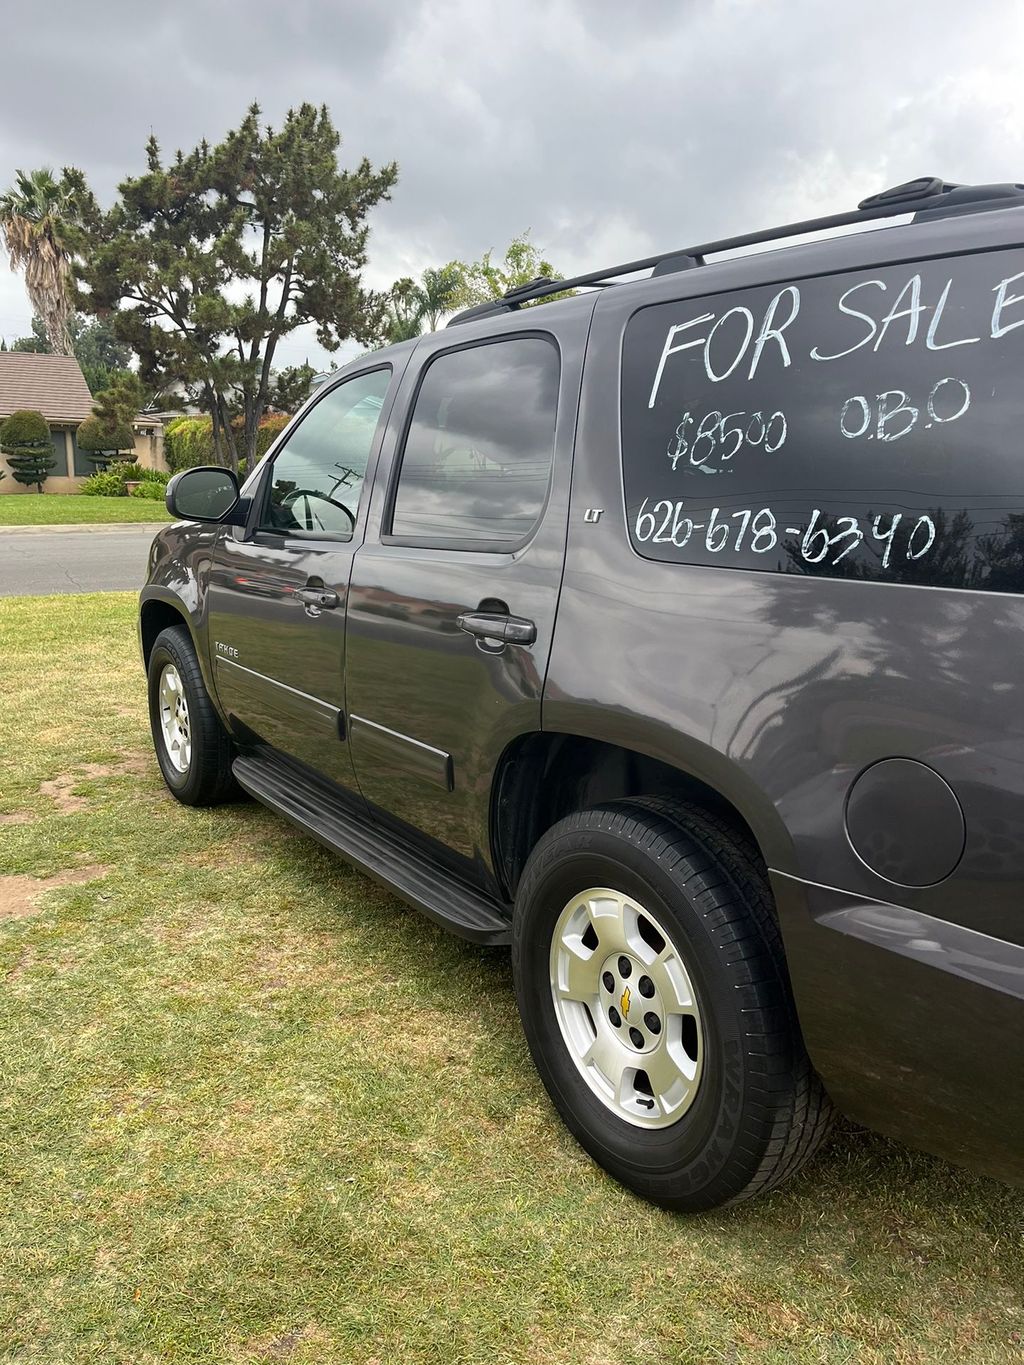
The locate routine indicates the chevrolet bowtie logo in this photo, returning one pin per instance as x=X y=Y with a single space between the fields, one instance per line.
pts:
x=624 y=1003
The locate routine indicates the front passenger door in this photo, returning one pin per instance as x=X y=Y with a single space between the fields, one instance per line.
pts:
x=278 y=591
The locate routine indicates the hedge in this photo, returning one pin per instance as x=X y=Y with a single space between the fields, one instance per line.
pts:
x=188 y=441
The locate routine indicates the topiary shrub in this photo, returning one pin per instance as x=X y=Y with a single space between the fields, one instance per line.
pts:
x=102 y=442
x=25 y=440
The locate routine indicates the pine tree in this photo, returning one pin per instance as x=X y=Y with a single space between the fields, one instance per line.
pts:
x=209 y=261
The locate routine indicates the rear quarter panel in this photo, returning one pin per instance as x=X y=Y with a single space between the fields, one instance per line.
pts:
x=778 y=690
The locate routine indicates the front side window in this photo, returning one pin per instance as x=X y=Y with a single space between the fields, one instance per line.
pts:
x=318 y=476
x=479 y=446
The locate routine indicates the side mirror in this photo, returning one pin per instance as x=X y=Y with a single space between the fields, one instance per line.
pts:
x=205 y=494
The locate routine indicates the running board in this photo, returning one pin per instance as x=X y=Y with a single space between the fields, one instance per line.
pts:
x=319 y=812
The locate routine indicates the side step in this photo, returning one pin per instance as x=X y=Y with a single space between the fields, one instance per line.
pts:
x=318 y=811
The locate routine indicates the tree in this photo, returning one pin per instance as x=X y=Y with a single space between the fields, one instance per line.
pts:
x=38 y=343
x=484 y=280
x=403 y=316
x=37 y=217
x=93 y=345
x=211 y=260
x=25 y=440
x=289 y=388
x=98 y=351
x=409 y=304
x=441 y=290
x=108 y=433
x=121 y=400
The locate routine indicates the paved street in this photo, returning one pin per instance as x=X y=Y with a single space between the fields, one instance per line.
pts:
x=100 y=559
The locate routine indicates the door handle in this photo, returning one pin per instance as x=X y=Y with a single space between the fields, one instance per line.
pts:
x=323 y=598
x=506 y=630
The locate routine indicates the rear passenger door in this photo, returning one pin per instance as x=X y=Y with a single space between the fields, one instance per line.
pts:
x=453 y=594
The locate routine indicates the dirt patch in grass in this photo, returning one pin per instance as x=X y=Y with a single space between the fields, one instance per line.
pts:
x=280 y=1346
x=227 y=855
x=17 y=817
x=61 y=789
x=19 y=895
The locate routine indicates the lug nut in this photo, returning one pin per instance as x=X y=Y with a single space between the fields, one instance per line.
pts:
x=653 y=1022
x=636 y=1037
x=625 y=968
x=646 y=987
x=613 y=1015
x=608 y=981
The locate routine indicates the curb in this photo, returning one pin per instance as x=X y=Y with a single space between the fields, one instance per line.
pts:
x=101 y=527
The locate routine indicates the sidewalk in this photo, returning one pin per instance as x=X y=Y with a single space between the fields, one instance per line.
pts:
x=100 y=527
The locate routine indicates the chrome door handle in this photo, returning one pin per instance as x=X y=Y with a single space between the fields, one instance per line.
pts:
x=505 y=630
x=324 y=598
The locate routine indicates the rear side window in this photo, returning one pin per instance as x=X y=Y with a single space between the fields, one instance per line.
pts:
x=478 y=449
x=862 y=425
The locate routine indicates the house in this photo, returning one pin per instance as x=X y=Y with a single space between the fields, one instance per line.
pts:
x=55 y=386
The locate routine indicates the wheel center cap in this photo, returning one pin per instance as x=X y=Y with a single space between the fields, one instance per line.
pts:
x=631 y=1003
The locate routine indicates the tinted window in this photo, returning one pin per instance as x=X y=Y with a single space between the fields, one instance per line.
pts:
x=478 y=450
x=859 y=426
x=318 y=476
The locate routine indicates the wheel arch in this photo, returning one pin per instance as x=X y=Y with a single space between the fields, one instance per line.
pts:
x=546 y=775
x=157 y=614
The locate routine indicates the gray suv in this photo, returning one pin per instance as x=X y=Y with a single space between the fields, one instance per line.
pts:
x=670 y=633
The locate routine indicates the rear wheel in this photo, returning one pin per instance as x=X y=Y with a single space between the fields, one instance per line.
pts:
x=654 y=995
x=192 y=747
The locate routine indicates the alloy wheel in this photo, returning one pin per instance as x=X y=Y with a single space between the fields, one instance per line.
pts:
x=626 y=1008
x=174 y=719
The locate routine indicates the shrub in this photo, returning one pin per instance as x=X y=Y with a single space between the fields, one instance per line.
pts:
x=149 y=488
x=188 y=441
x=25 y=440
x=111 y=483
x=105 y=484
x=129 y=469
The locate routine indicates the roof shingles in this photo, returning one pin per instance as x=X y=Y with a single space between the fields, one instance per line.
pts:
x=51 y=384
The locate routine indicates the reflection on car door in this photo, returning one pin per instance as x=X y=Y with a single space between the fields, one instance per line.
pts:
x=278 y=590
x=453 y=592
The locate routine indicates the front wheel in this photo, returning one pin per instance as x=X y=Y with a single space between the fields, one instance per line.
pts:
x=653 y=991
x=192 y=747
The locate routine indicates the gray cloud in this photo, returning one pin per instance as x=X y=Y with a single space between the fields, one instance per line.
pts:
x=608 y=130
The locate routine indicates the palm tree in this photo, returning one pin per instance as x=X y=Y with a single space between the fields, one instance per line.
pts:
x=440 y=291
x=404 y=316
x=35 y=214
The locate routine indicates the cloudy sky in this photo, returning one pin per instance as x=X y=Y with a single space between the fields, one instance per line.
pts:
x=609 y=130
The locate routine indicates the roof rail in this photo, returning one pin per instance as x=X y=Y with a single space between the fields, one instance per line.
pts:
x=927 y=197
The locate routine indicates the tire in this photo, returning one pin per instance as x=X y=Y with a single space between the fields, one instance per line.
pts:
x=735 y=1107
x=196 y=766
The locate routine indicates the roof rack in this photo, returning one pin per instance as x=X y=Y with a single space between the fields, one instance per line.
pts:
x=927 y=198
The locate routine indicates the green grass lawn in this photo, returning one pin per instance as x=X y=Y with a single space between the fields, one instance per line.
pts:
x=253 y=1109
x=62 y=509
